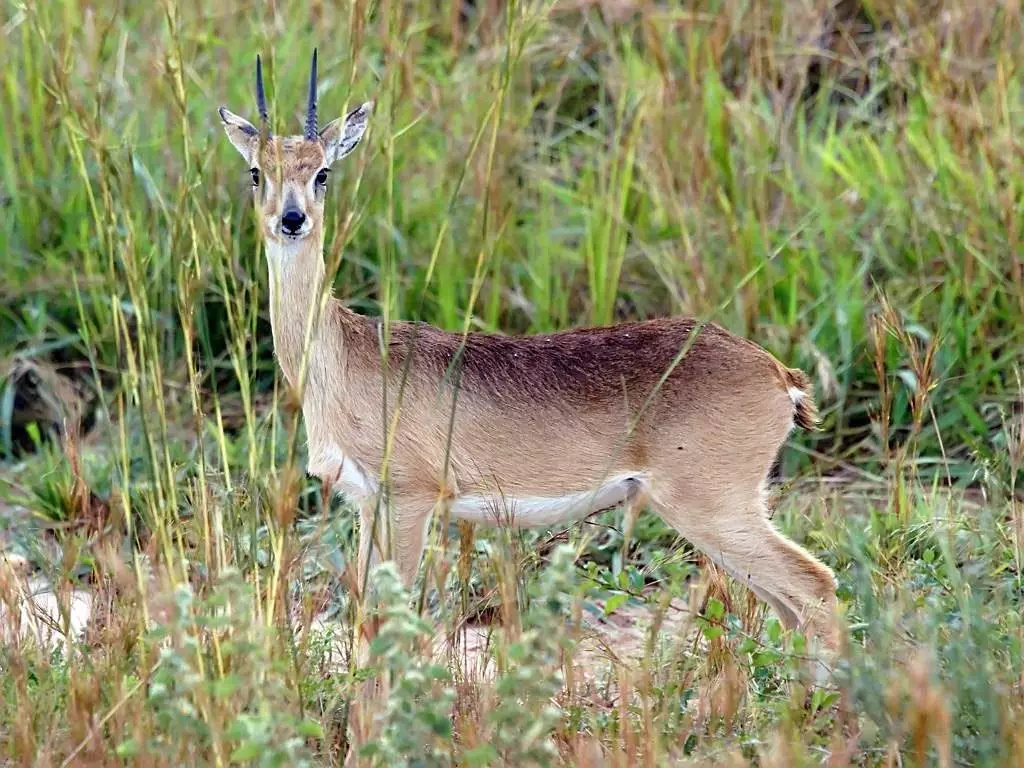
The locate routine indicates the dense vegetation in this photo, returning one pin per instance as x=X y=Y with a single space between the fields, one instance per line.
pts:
x=841 y=182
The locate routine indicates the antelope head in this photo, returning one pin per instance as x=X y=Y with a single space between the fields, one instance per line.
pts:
x=290 y=173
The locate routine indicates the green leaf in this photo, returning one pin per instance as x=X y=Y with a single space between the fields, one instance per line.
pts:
x=715 y=609
x=485 y=754
x=712 y=632
x=439 y=723
x=246 y=752
x=749 y=645
x=822 y=699
x=716 y=118
x=127 y=748
x=310 y=729
x=225 y=687
x=799 y=643
x=32 y=428
x=613 y=603
x=765 y=659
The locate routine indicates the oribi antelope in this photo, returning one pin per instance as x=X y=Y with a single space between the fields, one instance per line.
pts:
x=672 y=414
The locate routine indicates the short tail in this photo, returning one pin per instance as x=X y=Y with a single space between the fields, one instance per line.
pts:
x=801 y=392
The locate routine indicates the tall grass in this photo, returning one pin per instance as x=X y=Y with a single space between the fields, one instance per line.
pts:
x=845 y=186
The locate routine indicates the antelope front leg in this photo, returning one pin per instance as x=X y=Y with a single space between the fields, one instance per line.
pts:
x=411 y=523
x=395 y=532
x=373 y=518
x=374 y=548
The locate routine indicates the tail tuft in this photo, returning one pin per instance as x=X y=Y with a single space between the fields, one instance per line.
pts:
x=800 y=390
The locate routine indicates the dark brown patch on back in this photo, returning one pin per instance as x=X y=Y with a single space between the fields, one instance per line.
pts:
x=591 y=365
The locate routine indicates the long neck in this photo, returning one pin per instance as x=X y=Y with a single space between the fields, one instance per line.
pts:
x=296 y=286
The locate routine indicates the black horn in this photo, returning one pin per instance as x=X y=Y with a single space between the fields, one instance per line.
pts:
x=311 y=106
x=261 y=96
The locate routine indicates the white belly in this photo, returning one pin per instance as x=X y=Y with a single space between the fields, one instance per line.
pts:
x=346 y=476
x=342 y=472
x=541 y=511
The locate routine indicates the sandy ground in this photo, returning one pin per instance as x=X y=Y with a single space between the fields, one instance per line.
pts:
x=49 y=618
x=41 y=614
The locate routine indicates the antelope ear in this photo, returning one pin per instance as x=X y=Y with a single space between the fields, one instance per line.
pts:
x=341 y=136
x=240 y=131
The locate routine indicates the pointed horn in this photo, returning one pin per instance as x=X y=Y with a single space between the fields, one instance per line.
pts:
x=311 y=108
x=261 y=96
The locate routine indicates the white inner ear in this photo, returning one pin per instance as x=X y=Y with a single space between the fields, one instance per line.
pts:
x=348 y=137
x=240 y=132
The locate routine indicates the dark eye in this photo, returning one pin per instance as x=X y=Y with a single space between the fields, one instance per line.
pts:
x=255 y=176
x=321 y=177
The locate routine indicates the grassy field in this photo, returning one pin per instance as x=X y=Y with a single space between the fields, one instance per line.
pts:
x=841 y=182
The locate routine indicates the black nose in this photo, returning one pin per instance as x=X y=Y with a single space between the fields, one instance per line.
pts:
x=292 y=221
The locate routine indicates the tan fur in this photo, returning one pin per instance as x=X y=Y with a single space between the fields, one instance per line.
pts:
x=537 y=419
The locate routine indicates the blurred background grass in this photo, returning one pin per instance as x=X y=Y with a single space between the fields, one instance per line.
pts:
x=636 y=159
x=842 y=182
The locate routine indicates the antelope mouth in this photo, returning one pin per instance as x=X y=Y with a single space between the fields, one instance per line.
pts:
x=291 y=237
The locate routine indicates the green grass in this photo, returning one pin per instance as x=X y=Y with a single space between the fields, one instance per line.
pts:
x=846 y=190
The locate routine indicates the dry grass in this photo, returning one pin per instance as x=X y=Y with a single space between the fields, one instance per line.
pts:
x=842 y=182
